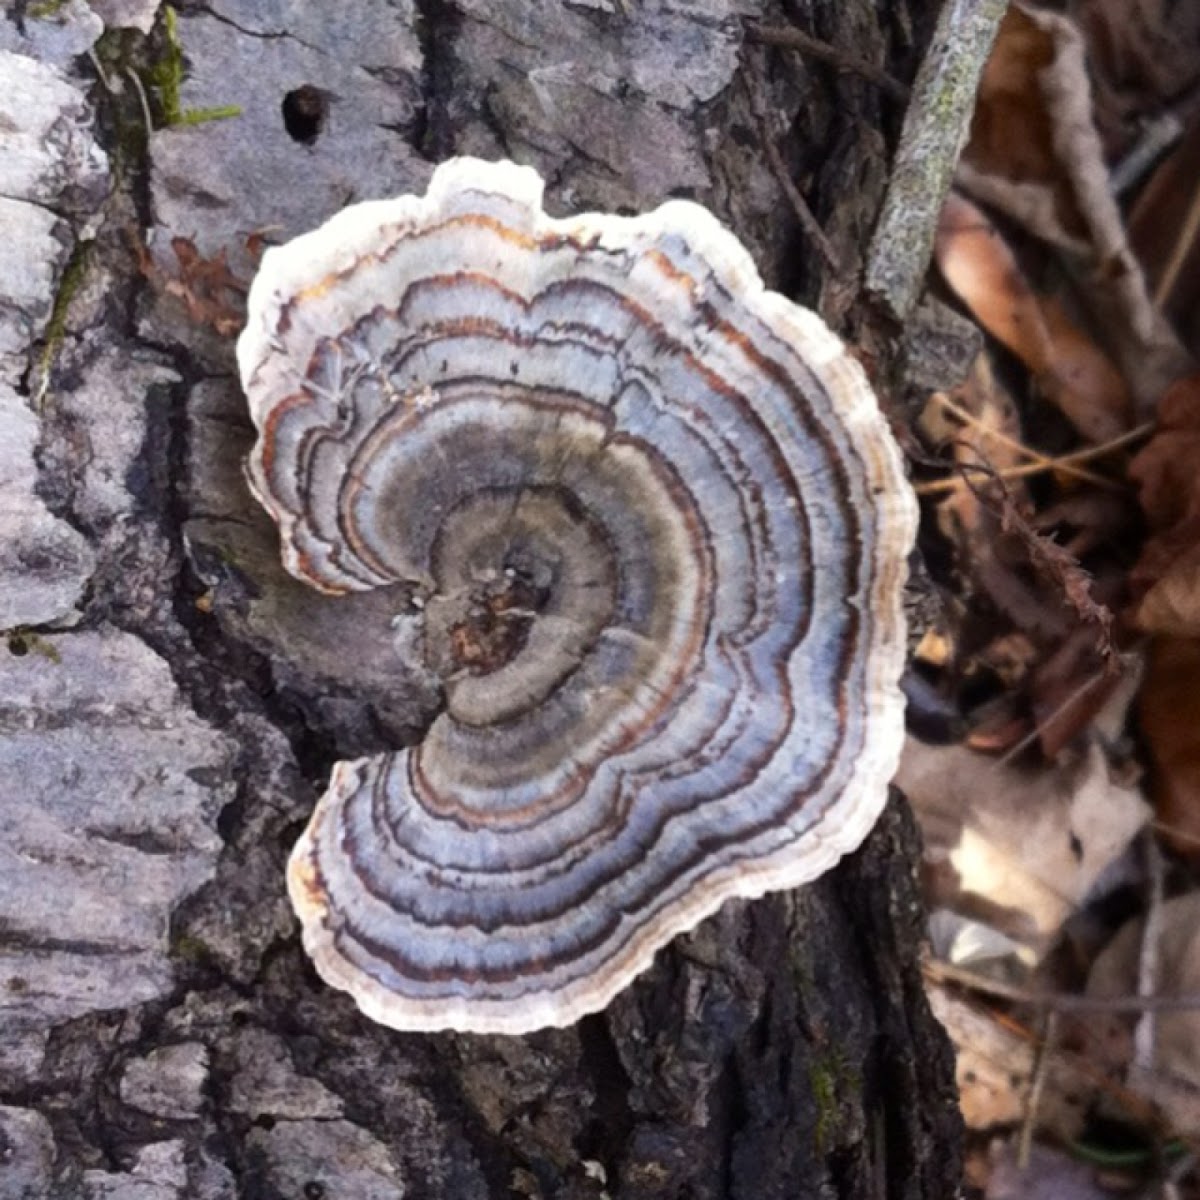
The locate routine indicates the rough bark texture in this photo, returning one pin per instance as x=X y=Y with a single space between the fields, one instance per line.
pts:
x=170 y=701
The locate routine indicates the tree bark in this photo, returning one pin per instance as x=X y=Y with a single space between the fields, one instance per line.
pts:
x=171 y=702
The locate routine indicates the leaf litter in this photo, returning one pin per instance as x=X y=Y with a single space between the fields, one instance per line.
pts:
x=1060 y=482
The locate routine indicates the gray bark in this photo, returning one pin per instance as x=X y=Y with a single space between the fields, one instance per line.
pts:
x=171 y=701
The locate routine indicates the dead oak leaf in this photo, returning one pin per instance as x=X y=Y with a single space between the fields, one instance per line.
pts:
x=995 y=1066
x=1053 y=180
x=1070 y=369
x=1010 y=99
x=1172 y=1079
x=1169 y=719
x=1142 y=55
x=1165 y=234
x=211 y=293
x=1167 y=575
x=1025 y=844
x=207 y=287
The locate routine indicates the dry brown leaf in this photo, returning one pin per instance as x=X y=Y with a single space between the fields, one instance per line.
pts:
x=1171 y=606
x=1054 y=181
x=1080 y=368
x=1164 y=232
x=1010 y=100
x=1071 y=370
x=210 y=292
x=213 y=294
x=1011 y=656
x=1169 y=718
x=1069 y=688
x=1089 y=519
x=1173 y=1079
x=986 y=433
x=1026 y=845
x=1142 y=55
x=1052 y=178
x=1036 y=583
x=994 y=1067
x=970 y=525
x=998 y=733
x=1069 y=582
x=1167 y=576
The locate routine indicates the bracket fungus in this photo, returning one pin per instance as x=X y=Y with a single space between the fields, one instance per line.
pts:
x=654 y=529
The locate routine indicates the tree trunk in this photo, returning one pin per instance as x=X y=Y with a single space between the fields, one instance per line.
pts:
x=171 y=702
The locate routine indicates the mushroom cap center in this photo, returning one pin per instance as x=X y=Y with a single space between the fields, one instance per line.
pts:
x=524 y=583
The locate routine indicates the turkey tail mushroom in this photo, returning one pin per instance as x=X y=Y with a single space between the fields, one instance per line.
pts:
x=657 y=530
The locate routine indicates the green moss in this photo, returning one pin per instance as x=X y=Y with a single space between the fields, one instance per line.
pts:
x=822 y=1081
x=45 y=9
x=116 y=55
x=22 y=642
x=803 y=980
x=56 y=328
x=829 y=1079
x=72 y=279
x=190 y=949
x=228 y=556
x=143 y=81
x=114 y=50
x=165 y=77
x=197 y=116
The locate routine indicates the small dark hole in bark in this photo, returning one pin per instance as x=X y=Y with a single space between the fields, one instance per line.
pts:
x=304 y=111
x=17 y=645
x=313 y=1190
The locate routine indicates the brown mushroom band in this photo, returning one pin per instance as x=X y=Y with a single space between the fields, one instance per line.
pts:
x=654 y=528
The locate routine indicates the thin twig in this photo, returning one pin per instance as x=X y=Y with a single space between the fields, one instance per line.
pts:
x=1149 y=954
x=100 y=75
x=1068 y=464
x=1175 y=832
x=1178 y=1171
x=936 y=487
x=1068 y=701
x=1180 y=251
x=141 y=91
x=1130 y=1101
x=811 y=47
x=1078 y=456
x=1045 y=1055
x=1060 y=1002
x=1056 y=565
x=997 y=435
x=1156 y=136
x=936 y=124
x=809 y=223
